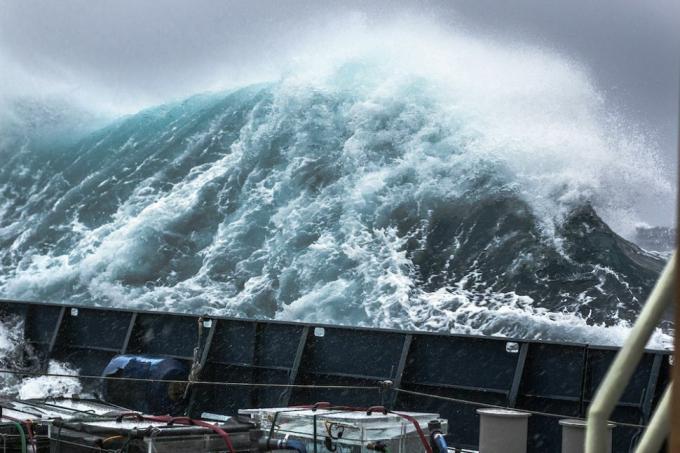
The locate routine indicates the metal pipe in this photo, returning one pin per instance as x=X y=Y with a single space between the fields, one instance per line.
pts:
x=620 y=372
x=659 y=426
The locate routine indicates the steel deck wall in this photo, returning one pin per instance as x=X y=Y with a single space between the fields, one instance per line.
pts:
x=539 y=376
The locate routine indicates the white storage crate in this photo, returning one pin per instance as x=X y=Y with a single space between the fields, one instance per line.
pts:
x=346 y=431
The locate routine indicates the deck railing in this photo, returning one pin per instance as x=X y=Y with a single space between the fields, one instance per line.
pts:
x=623 y=367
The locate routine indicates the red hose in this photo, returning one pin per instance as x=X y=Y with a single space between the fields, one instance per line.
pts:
x=182 y=421
x=419 y=430
x=31 y=437
x=189 y=421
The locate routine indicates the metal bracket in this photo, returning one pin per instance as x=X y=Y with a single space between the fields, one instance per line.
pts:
x=519 y=371
x=405 y=349
x=292 y=377
x=128 y=334
x=53 y=339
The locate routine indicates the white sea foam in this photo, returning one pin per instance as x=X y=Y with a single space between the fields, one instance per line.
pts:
x=363 y=127
x=14 y=352
x=49 y=386
x=514 y=316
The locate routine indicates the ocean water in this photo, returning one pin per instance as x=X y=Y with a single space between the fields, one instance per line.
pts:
x=468 y=190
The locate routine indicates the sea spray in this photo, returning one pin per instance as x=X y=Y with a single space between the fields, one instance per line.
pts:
x=16 y=354
x=460 y=190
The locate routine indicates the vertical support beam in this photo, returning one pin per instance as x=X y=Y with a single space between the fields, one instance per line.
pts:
x=519 y=371
x=208 y=343
x=53 y=339
x=650 y=390
x=128 y=334
x=406 y=347
x=292 y=376
x=202 y=361
x=255 y=372
x=585 y=379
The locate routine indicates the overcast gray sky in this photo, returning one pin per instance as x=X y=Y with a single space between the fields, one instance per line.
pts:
x=134 y=53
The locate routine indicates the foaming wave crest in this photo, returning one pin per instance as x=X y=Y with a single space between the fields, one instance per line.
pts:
x=414 y=180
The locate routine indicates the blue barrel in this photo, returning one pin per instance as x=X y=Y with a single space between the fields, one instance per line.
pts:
x=147 y=396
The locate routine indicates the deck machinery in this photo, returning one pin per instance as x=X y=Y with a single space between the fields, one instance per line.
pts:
x=237 y=364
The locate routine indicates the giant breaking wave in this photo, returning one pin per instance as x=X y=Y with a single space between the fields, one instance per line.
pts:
x=463 y=191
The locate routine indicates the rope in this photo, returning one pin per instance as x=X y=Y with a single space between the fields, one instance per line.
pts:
x=196 y=367
x=176 y=381
x=109 y=439
x=311 y=386
x=495 y=406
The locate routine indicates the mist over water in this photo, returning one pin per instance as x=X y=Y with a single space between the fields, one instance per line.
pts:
x=400 y=178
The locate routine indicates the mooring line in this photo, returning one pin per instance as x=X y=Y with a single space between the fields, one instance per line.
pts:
x=310 y=386
x=178 y=381
x=497 y=406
